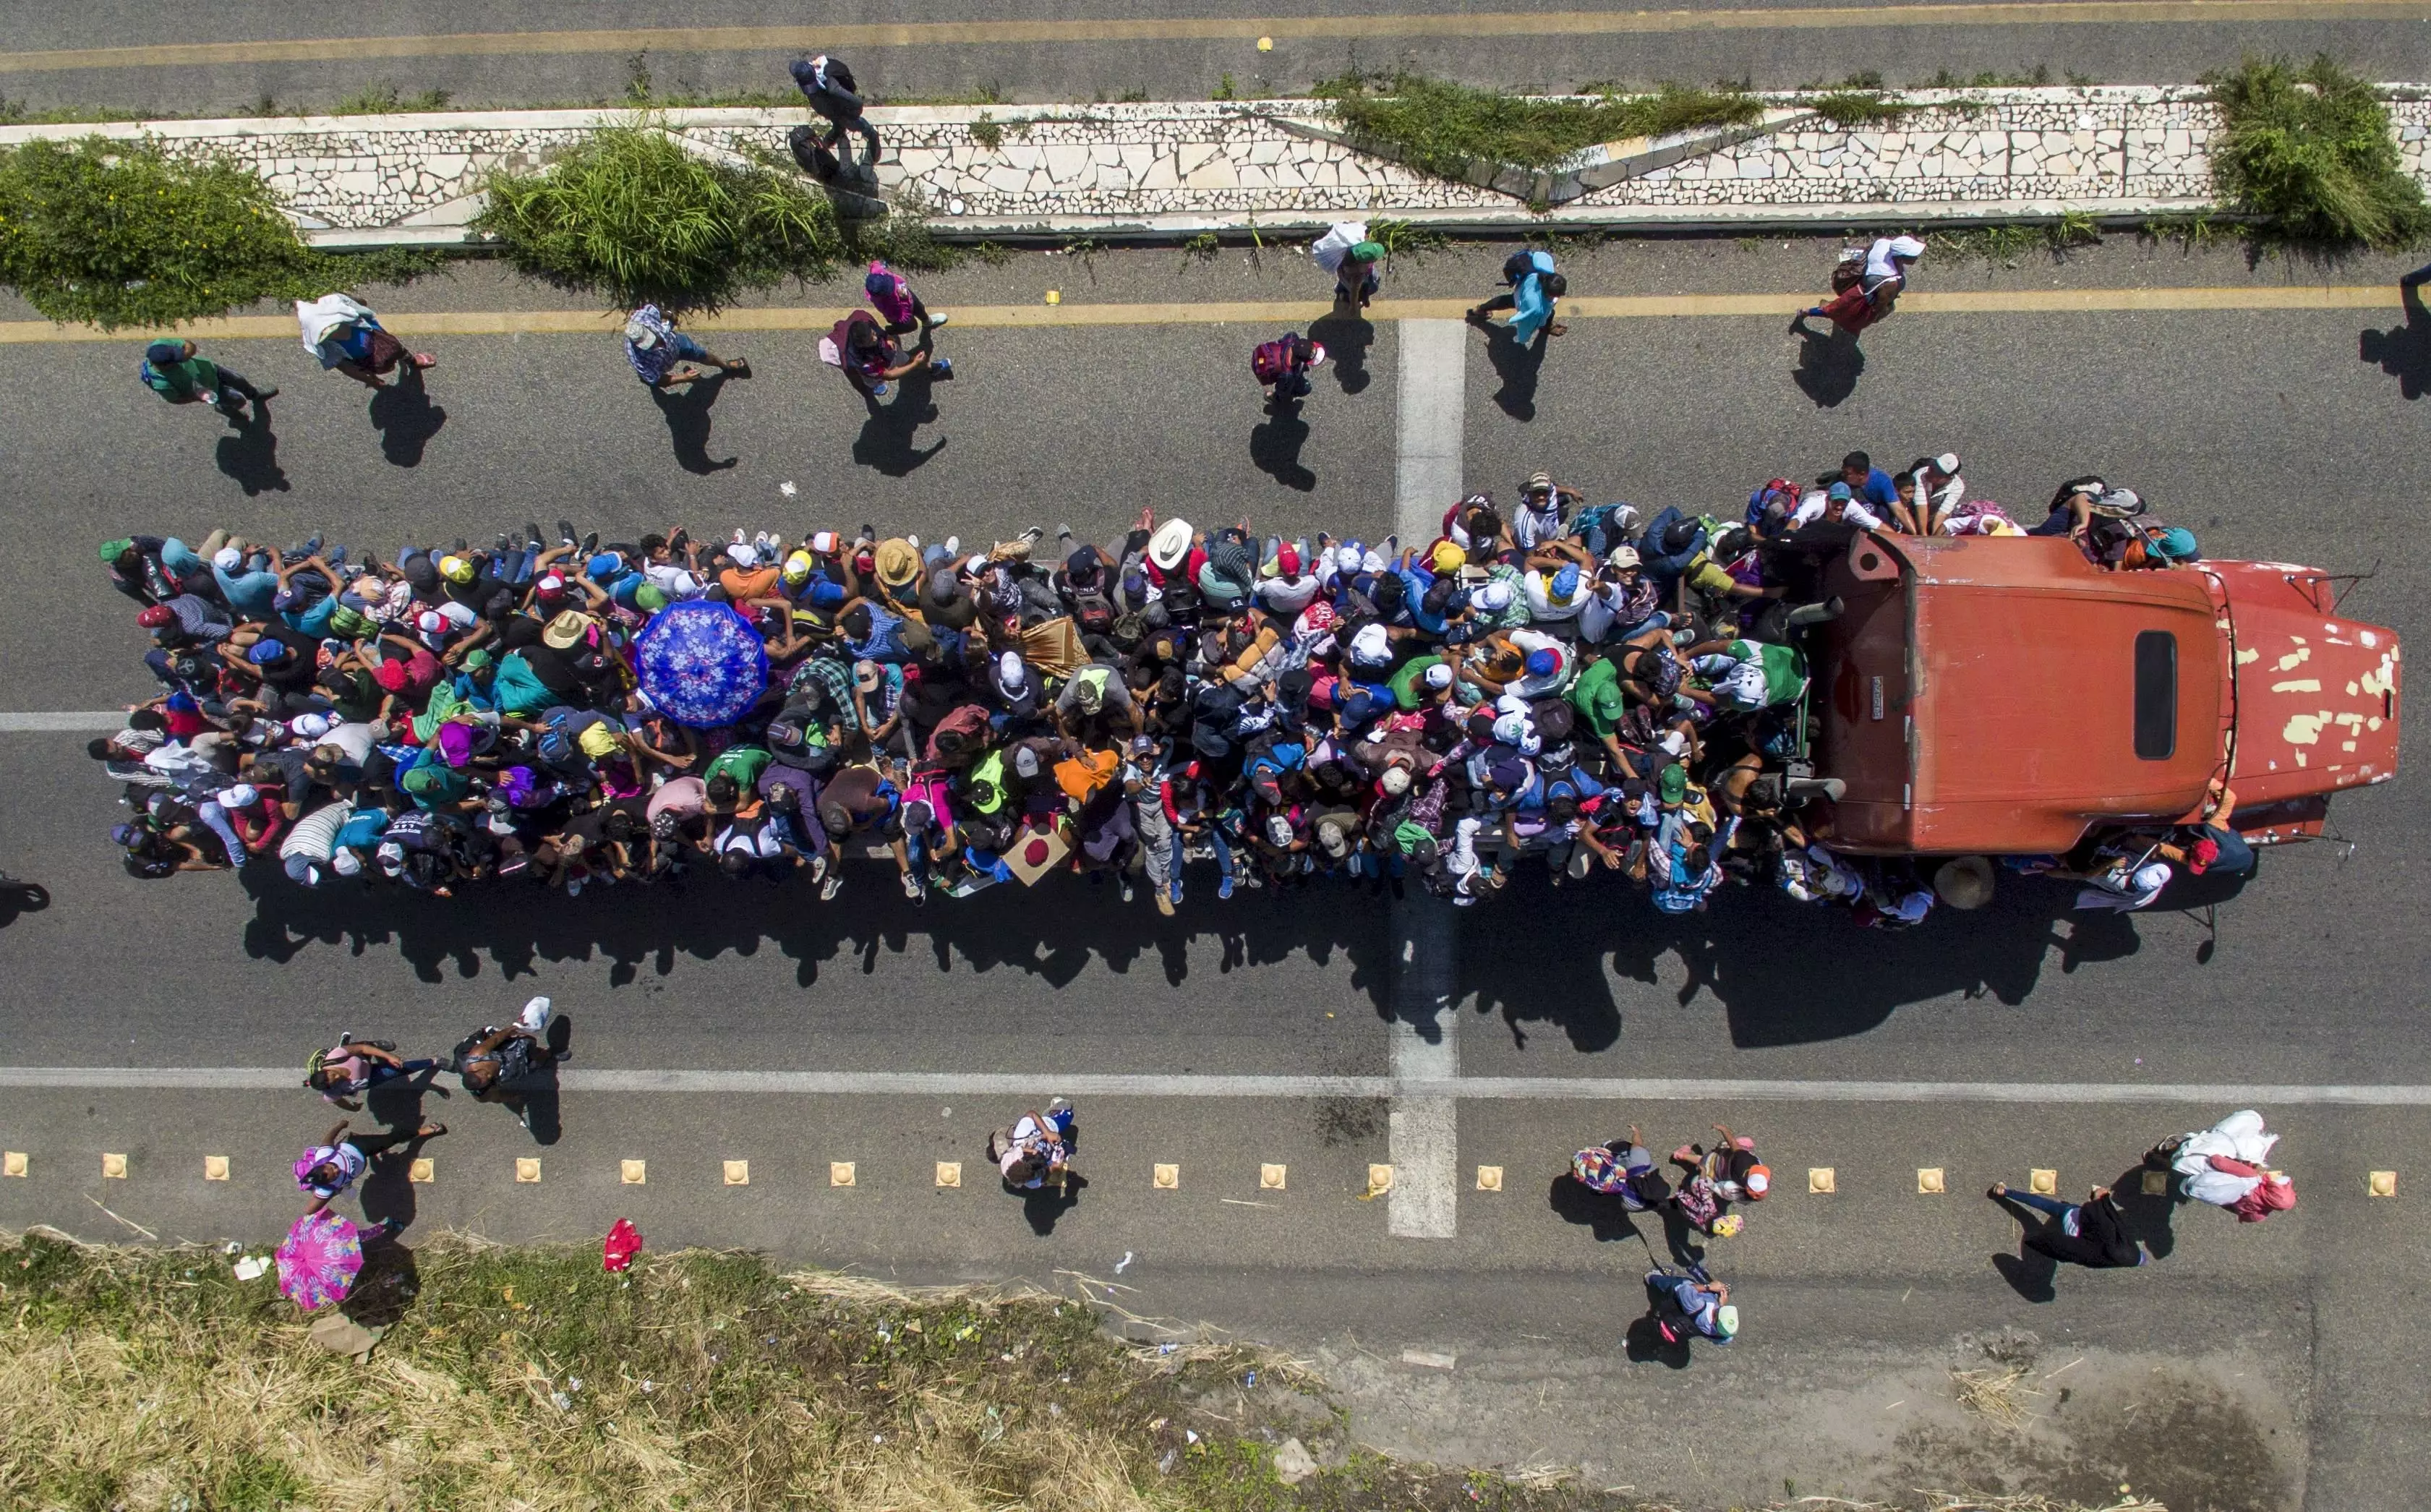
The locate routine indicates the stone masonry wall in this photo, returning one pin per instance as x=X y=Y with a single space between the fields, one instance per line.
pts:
x=1228 y=162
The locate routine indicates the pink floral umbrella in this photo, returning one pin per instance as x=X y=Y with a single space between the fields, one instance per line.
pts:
x=318 y=1259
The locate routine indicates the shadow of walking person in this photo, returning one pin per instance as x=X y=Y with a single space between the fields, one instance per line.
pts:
x=886 y=439
x=1828 y=364
x=2404 y=352
x=1049 y=1202
x=1345 y=337
x=384 y=1290
x=1275 y=444
x=688 y=424
x=406 y=419
x=1600 y=1213
x=1519 y=367
x=249 y=454
x=2149 y=1213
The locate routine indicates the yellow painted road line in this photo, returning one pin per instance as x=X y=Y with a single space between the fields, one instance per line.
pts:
x=1287 y=311
x=1213 y=28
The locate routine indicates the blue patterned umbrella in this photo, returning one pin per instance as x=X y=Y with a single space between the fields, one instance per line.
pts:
x=701 y=664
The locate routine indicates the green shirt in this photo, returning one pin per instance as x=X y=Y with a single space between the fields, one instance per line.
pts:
x=192 y=379
x=1404 y=682
x=742 y=763
x=1596 y=695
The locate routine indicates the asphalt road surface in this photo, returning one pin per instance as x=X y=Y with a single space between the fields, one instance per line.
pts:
x=152 y=55
x=1439 y=1044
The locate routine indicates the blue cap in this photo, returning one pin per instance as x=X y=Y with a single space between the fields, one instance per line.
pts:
x=1543 y=662
x=261 y=653
x=1566 y=582
x=2177 y=542
x=1840 y=491
x=801 y=69
x=165 y=352
x=879 y=281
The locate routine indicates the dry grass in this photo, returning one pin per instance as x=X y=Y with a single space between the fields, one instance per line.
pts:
x=1997 y=1392
x=151 y=1379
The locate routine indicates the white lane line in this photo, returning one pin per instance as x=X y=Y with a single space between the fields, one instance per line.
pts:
x=1151 y=1084
x=1429 y=463
x=1423 y=1131
x=99 y=719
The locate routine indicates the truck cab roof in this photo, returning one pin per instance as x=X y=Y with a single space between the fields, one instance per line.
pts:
x=2003 y=695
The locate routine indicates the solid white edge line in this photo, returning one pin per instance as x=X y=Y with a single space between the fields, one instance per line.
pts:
x=1149 y=1084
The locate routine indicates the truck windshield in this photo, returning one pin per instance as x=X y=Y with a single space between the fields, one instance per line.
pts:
x=2156 y=696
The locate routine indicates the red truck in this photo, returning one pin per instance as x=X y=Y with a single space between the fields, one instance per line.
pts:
x=2004 y=695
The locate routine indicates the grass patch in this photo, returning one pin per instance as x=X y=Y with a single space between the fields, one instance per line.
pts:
x=383 y=100
x=1847 y=109
x=529 y=1378
x=2309 y=150
x=1944 y=79
x=1440 y=127
x=987 y=131
x=2009 y=245
x=631 y=215
x=122 y=233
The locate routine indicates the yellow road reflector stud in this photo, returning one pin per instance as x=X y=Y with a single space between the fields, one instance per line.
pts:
x=1380 y=1180
x=1270 y=1178
x=738 y=1173
x=528 y=1169
x=1932 y=1180
x=423 y=1171
x=113 y=1167
x=633 y=1172
x=215 y=1168
x=2043 y=1183
x=1054 y=296
x=2157 y=1183
x=1169 y=1178
x=2383 y=1183
x=1266 y=44
x=1822 y=1179
x=1489 y=1178
x=840 y=1173
x=949 y=1174
x=12 y=1163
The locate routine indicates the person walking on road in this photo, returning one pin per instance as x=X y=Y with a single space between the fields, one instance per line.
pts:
x=1283 y=365
x=665 y=358
x=1036 y=1150
x=891 y=295
x=2228 y=1165
x=492 y=1059
x=353 y=1067
x=1685 y=1305
x=345 y=335
x=1866 y=286
x=871 y=360
x=1535 y=289
x=829 y=86
x=1346 y=252
x=2092 y=1233
x=341 y=1159
x=172 y=370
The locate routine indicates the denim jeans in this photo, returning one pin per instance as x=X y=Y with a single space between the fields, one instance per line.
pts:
x=2051 y=1205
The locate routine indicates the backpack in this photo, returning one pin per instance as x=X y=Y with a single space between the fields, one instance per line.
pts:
x=1697 y=1202
x=1519 y=265
x=1273 y=359
x=1094 y=610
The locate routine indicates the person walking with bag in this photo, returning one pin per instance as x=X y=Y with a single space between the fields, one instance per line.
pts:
x=1535 y=290
x=1037 y=1149
x=2228 y=1165
x=829 y=88
x=1865 y=286
x=2092 y=1233
x=345 y=335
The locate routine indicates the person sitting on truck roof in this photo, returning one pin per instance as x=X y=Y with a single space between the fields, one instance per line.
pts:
x=1836 y=503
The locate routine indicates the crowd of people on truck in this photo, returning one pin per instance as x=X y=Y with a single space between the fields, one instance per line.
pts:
x=1546 y=681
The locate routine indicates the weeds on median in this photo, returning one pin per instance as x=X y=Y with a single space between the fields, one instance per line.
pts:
x=2309 y=150
x=631 y=214
x=124 y=233
x=2007 y=245
x=1440 y=127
